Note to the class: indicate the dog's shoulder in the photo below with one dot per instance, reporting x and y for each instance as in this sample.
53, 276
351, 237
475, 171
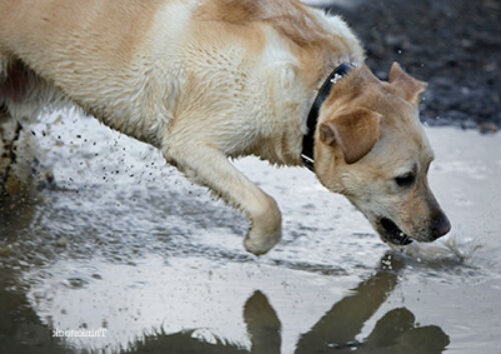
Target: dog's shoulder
301, 24
317, 40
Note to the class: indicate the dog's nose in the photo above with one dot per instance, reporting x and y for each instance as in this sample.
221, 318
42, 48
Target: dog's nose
441, 226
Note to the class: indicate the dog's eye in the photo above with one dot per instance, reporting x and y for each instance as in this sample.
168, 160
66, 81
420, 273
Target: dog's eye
405, 180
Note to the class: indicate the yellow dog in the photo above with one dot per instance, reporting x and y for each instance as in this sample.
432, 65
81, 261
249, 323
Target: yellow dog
204, 80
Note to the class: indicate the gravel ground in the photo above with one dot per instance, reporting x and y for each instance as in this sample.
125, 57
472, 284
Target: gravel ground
454, 45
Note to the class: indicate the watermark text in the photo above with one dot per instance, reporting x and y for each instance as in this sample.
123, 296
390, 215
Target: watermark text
84, 333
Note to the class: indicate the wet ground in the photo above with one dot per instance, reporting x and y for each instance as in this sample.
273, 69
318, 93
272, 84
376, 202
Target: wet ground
122, 247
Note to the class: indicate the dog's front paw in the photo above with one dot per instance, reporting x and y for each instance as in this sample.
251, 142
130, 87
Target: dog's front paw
266, 228
261, 243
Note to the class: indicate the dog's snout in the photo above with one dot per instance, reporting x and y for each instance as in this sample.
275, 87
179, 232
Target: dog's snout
441, 226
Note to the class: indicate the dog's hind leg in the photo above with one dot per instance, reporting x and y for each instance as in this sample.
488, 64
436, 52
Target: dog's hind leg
210, 167
19, 165
10, 131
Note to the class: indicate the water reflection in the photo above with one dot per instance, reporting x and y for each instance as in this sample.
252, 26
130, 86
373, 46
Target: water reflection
395, 332
263, 327
337, 331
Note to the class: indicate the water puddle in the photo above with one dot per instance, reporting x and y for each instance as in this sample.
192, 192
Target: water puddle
124, 255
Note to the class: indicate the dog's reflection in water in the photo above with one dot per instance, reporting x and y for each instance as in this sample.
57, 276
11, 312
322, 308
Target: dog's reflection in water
336, 332
395, 333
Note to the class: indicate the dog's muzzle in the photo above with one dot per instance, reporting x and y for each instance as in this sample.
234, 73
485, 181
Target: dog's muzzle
393, 234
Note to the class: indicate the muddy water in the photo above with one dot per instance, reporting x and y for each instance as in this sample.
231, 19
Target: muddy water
124, 255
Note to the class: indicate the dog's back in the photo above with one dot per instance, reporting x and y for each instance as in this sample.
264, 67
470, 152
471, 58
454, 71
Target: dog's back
131, 63
94, 52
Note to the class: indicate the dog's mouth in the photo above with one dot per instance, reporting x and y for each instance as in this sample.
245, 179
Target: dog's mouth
393, 234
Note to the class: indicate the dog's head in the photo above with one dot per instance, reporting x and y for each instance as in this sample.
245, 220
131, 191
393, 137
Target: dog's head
371, 147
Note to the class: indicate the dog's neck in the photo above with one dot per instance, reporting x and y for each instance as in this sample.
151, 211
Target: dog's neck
308, 140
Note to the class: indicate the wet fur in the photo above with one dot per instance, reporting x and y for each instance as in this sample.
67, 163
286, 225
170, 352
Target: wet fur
203, 80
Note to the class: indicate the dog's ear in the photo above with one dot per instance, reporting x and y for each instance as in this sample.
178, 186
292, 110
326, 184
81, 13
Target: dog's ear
354, 132
406, 86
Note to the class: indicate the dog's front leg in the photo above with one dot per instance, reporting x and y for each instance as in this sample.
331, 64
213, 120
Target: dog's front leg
210, 167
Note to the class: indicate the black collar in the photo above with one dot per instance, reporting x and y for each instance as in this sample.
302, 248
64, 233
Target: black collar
308, 139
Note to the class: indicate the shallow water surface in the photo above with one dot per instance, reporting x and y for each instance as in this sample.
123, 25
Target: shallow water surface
124, 255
